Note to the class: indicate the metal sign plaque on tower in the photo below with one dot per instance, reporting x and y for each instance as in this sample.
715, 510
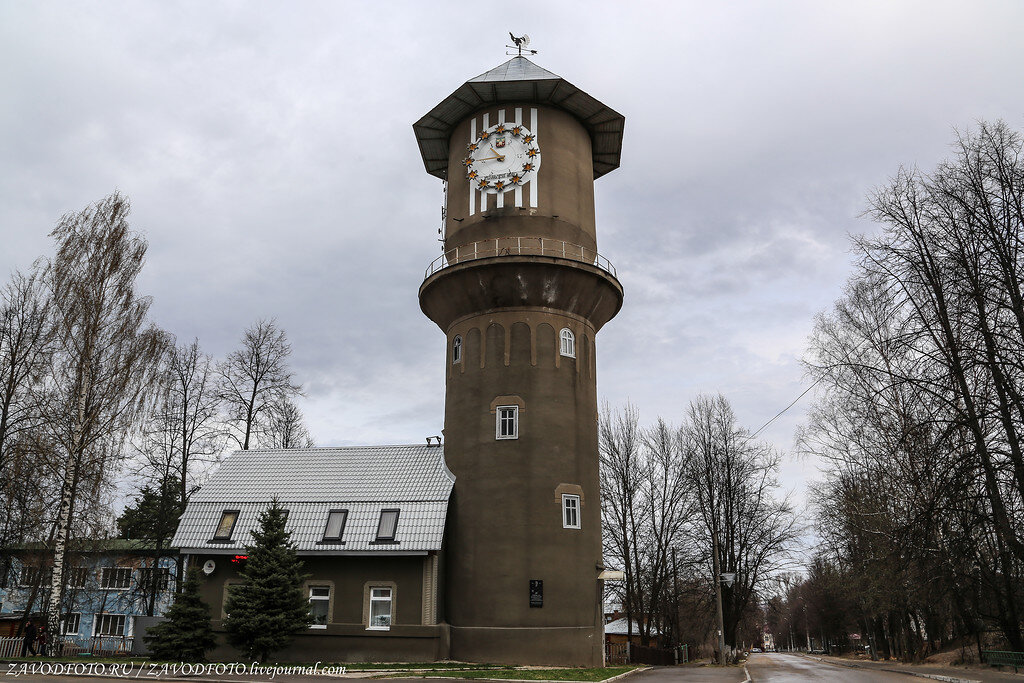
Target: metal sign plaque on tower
520, 292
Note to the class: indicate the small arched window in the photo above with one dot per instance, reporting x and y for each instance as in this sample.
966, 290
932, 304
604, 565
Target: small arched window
568, 343
457, 349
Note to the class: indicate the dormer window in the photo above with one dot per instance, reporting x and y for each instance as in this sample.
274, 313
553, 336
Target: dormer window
226, 526
457, 350
335, 526
567, 343
387, 526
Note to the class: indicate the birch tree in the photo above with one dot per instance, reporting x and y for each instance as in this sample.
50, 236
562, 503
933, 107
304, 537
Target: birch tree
106, 357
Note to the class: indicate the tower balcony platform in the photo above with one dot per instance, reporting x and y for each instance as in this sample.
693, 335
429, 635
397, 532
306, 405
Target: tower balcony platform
520, 246
520, 272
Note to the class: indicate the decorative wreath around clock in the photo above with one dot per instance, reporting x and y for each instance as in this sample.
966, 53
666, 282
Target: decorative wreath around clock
504, 156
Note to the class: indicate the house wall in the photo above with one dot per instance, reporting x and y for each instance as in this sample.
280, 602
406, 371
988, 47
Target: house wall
346, 637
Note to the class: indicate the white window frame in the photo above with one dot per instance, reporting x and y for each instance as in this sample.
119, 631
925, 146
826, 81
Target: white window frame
500, 413
381, 599
457, 349
570, 511
115, 578
64, 623
106, 619
321, 599
78, 573
164, 583
567, 343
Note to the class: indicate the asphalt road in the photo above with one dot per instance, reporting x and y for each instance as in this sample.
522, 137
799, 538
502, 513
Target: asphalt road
785, 668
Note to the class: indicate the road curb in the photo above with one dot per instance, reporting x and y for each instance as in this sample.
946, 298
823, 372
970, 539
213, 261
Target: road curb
919, 674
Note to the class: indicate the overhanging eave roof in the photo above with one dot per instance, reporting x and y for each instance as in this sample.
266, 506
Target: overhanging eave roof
519, 80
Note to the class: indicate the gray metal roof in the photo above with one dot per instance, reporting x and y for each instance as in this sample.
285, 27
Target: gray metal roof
519, 80
311, 482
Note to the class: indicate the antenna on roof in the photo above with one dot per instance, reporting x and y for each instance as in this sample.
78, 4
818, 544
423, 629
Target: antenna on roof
520, 44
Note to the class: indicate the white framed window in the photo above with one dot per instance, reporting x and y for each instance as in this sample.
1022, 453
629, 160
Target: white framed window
226, 526
163, 578
567, 343
70, 624
77, 576
335, 525
457, 350
29, 576
570, 511
319, 605
387, 525
507, 426
115, 578
380, 608
109, 625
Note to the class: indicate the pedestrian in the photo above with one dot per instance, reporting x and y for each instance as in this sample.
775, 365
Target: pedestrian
41, 640
30, 639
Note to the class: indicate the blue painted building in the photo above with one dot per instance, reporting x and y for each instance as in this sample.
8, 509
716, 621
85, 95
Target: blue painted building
109, 585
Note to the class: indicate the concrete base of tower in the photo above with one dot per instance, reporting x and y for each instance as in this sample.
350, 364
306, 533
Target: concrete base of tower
550, 646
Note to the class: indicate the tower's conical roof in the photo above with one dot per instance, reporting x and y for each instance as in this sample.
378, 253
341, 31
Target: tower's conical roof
519, 80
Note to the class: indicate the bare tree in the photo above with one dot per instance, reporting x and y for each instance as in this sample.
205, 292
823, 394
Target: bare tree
105, 360
742, 528
255, 379
285, 427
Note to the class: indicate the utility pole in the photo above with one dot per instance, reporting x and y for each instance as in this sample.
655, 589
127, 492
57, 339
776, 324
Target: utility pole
718, 594
807, 627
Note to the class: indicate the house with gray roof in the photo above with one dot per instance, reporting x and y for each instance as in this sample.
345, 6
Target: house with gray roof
368, 523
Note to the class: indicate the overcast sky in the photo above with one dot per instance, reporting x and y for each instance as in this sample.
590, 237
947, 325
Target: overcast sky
268, 152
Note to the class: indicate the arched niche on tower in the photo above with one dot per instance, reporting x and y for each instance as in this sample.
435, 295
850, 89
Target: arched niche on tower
547, 346
494, 346
519, 346
471, 349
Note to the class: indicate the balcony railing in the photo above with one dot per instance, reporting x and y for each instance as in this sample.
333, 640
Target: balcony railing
520, 246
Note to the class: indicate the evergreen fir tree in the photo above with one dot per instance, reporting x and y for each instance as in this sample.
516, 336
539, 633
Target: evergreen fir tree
186, 634
270, 607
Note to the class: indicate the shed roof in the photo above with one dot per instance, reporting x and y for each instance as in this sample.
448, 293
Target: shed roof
312, 482
519, 80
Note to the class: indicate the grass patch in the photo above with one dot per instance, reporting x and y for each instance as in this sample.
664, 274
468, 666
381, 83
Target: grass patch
595, 674
425, 666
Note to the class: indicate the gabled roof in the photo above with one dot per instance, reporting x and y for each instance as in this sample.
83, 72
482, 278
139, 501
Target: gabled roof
519, 80
311, 482
619, 627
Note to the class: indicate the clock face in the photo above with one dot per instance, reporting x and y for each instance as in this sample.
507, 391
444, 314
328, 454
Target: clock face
505, 156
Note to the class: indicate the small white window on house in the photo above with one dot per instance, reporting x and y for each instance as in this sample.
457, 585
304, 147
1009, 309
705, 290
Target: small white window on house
226, 526
70, 624
457, 349
109, 625
387, 526
29, 576
162, 578
335, 526
319, 605
77, 576
570, 511
380, 609
507, 422
568, 343
116, 578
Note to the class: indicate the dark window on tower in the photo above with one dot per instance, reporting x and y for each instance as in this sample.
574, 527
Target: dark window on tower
387, 526
335, 526
226, 526
567, 343
457, 349
570, 511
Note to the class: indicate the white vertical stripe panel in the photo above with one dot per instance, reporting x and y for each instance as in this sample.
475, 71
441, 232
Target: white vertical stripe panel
501, 116
536, 176
472, 192
519, 188
500, 201
483, 195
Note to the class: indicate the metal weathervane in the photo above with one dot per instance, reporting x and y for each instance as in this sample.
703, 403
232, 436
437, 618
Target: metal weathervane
520, 45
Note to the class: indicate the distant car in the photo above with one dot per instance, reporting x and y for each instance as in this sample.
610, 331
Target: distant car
817, 651
756, 649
